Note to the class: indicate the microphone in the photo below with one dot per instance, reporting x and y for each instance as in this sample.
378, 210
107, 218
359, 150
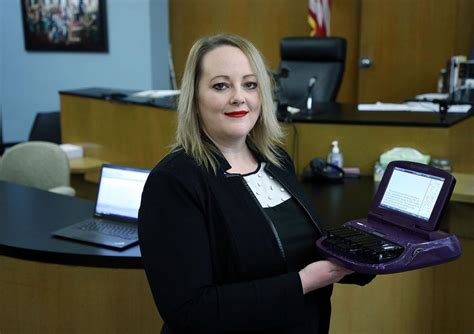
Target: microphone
281, 91
282, 73
309, 102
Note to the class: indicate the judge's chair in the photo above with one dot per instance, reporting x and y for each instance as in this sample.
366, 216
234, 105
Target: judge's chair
37, 164
310, 66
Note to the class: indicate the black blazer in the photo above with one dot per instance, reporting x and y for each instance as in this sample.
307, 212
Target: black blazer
214, 261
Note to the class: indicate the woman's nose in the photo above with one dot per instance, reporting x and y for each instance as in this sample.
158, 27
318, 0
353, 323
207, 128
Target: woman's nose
237, 101
237, 98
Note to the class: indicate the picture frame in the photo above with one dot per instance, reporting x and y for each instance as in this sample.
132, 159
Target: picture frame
65, 25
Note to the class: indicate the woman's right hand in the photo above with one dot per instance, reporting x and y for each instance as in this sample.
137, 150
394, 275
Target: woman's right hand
321, 273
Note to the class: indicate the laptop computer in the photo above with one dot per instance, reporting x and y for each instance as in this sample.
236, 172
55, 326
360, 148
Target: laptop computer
400, 232
114, 221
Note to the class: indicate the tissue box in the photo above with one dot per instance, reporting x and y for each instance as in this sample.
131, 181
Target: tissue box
72, 151
405, 154
379, 170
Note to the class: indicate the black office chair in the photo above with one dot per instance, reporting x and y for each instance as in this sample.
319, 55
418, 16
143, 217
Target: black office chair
46, 127
321, 58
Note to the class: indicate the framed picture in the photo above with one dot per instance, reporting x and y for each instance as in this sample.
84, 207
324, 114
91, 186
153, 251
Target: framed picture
65, 25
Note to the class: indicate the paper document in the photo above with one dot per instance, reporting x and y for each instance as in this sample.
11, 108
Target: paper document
432, 96
156, 93
412, 106
464, 108
379, 106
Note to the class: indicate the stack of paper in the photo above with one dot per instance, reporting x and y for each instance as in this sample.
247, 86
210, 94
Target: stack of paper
432, 96
72, 151
412, 106
154, 94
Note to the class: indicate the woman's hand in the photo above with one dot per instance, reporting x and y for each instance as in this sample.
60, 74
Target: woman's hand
321, 273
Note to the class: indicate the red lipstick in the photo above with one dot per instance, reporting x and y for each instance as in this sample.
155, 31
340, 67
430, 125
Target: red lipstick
237, 114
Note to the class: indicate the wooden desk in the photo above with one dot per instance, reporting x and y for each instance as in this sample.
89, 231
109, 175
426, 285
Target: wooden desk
364, 136
431, 300
121, 132
52, 285
85, 165
138, 133
85, 176
464, 190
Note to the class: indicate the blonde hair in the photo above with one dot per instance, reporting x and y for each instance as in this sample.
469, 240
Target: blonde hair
265, 136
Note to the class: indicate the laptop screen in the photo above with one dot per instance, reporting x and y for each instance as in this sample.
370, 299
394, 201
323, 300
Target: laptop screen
412, 192
120, 191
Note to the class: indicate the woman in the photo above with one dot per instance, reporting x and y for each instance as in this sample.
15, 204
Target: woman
226, 234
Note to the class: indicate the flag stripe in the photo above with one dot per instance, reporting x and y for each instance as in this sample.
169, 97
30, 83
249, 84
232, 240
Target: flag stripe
319, 17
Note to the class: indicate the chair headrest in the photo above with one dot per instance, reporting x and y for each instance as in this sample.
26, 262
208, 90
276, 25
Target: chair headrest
321, 49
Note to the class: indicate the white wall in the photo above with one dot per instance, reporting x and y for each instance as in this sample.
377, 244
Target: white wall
138, 42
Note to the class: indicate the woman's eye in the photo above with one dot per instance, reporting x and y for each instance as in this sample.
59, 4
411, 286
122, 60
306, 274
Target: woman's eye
251, 85
219, 86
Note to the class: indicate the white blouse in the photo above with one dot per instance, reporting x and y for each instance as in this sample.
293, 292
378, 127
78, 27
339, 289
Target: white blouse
268, 191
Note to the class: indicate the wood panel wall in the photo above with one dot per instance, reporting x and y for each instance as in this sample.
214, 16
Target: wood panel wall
464, 37
409, 42
264, 22
39, 297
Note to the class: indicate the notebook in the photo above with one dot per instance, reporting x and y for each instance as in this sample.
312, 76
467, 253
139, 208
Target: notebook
401, 231
114, 221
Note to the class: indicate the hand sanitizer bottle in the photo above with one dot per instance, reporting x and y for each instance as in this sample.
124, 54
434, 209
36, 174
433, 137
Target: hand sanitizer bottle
335, 157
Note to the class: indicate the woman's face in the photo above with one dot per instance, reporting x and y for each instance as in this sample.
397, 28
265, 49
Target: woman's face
228, 98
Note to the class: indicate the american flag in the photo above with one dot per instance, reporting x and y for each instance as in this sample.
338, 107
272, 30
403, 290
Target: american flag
319, 17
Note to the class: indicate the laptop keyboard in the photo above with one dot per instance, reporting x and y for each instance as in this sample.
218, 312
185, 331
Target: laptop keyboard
361, 246
115, 230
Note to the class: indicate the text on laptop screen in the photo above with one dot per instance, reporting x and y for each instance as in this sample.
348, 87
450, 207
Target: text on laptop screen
120, 192
412, 193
